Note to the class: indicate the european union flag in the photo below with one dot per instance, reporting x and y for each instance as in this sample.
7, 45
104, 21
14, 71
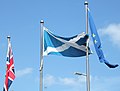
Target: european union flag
97, 43
70, 47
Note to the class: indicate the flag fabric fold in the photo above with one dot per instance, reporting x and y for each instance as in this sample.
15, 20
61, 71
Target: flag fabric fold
10, 73
70, 47
97, 43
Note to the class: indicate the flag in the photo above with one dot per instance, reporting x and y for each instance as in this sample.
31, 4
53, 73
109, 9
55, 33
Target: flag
70, 47
97, 43
10, 73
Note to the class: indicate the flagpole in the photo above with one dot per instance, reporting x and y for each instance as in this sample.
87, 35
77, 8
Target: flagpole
8, 37
41, 55
87, 55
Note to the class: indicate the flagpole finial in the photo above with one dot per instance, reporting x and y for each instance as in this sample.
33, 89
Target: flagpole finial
42, 21
8, 37
86, 3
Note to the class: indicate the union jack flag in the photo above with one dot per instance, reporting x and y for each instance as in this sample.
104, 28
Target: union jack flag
10, 73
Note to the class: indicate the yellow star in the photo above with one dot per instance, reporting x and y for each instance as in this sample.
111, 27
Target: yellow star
95, 41
93, 35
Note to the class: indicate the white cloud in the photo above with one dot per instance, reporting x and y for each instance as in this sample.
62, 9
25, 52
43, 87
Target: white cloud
51, 80
23, 72
113, 31
76, 84
71, 84
68, 81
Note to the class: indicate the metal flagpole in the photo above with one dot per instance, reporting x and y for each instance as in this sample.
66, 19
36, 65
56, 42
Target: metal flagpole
41, 55
87, 55
8, 37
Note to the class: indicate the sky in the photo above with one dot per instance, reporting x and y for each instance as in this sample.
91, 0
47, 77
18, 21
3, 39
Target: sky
20, 19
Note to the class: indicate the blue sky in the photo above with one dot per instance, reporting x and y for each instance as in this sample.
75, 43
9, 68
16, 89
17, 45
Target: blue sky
21, 20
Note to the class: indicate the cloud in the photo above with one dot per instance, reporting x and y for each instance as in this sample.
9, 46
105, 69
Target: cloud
51, 80
113, 31
23, 72
98, 83
71, 84
68, 81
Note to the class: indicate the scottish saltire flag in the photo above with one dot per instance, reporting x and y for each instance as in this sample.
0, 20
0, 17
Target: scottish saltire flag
70, 47
10, 73
97, 43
